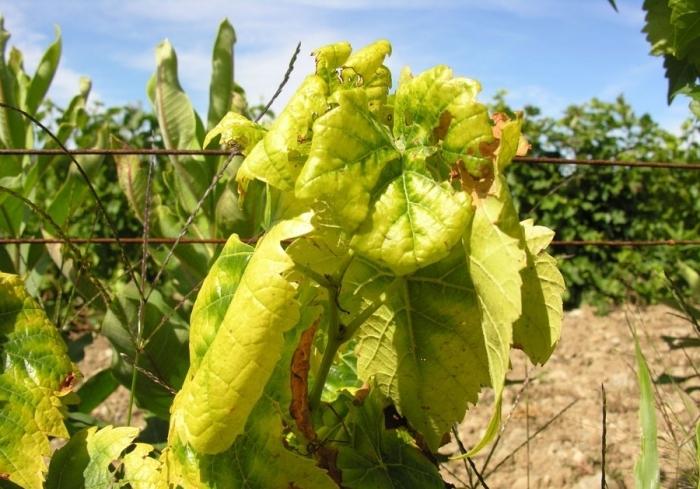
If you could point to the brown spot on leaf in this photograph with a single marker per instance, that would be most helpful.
(299, 407)
(443, 125)
(361, 394)
(4, 476)
(487, 149)
(499, 120)
(67, 383)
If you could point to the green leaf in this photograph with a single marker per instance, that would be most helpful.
(682, 76)
(74, 191)
(221, 86)
(539, 327)
(44, 74)
(12, 124)
(685, 18)
(646, 468)
(236, 129)
(215, 297)
(164, 357)
(658, 26)
(36, 371)
(178, 125)
(279, 156)
(132, 179)
(214, 404)
(375, 457)
(96, 389)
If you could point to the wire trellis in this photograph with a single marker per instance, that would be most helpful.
(137, 240)
(132, 240)
(532, 160)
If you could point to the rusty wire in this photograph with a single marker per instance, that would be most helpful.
(534, 160)
(137, 240)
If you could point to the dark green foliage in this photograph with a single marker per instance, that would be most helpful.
(587, 202)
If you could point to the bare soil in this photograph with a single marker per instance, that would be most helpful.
(593, 350)
(563, 399)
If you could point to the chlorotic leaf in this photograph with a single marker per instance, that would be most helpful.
(331, 56)
(215, 296)
(36, 372)
(425, 106)
(494, 244)
(414, 222)
(349, 152)
(236, 129)
(85, 461)
(211, 409)
(538, 329)
(279, 156)
(420, 342)
(365, 62)
(259, 457)
(103, 447)
(142, 471)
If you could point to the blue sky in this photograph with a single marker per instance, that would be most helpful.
(549, 53)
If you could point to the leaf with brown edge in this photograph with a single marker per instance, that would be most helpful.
(36, 371)
(299, 381)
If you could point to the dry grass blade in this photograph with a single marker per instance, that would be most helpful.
(138, 345)
(516, 402)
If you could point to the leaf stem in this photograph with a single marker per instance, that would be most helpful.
(335, 339)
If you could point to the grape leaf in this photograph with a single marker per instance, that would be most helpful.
(236, 129)
(215, 401)
(278, 157)
(215, 296)
(539, 327)
(384, 183)
(142, 471)
(85, 461)
(36, 372)
(258, 458)
(374, 457)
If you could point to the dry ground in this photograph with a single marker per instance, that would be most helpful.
(593, 350)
